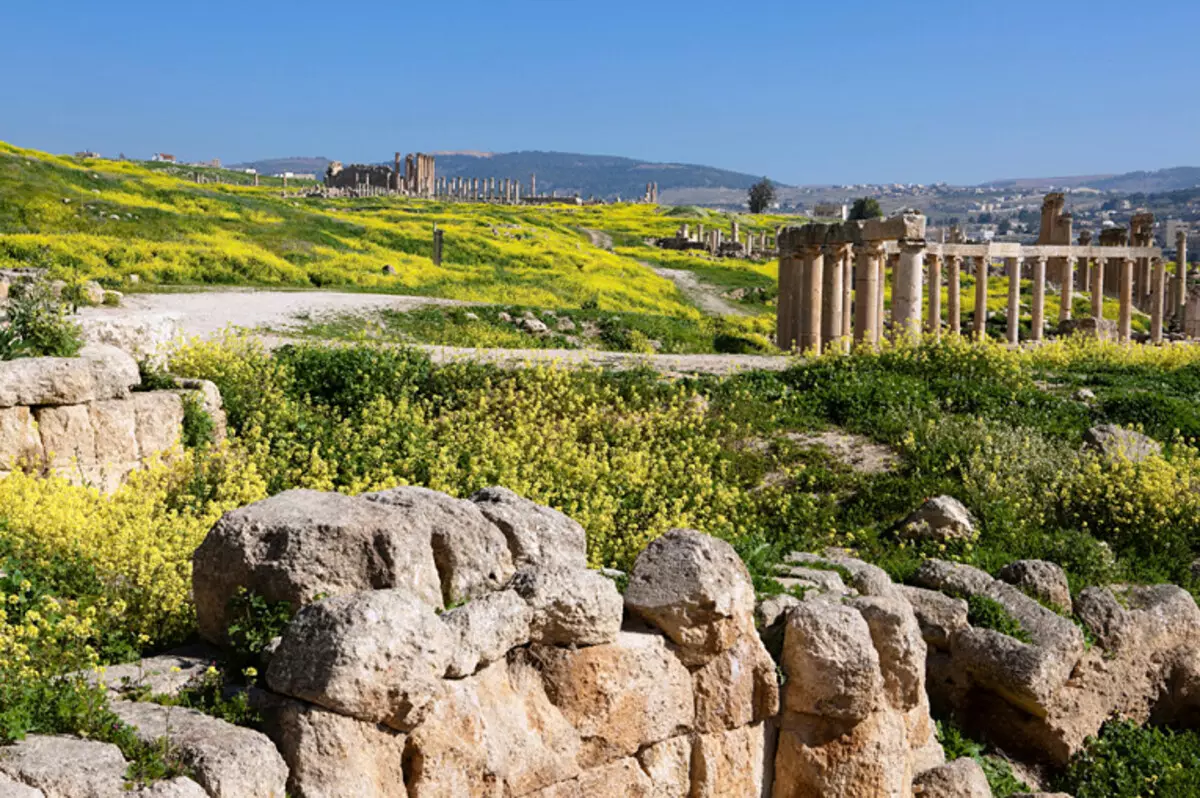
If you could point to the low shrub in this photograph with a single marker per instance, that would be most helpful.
(1130, 761)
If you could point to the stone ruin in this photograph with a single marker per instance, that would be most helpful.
(831, 281)
(462, 648)
(79, 417)
(714, 242)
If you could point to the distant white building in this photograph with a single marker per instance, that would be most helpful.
(165, 157)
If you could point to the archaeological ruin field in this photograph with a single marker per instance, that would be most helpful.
(934, 548)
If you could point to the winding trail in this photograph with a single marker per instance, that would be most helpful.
(270, 314)
(699, 294)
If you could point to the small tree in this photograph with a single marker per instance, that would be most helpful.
(762, 194)
(866, 208)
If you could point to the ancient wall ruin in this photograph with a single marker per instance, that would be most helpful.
(80, 418)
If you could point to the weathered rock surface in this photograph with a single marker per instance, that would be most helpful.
(64, 767)
(377, 656)
(669, 766)
(147, 336)
(942, 518)
(962, 778)
(15, 789)
(832, 665)
(736, 688)
(537, 536)
(819, 757)
(485, 629)
(620, 697)
(227, 761)
(571, 606)
(165, 674)
(695, 589)
(333, 756)
(19, 439)
(938, 615)
(471, 553)
(97, 373)
(730, 764)
(302, 544)
(1111, 441)
(1041, 580)
(492, 734)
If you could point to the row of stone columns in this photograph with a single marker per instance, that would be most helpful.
(489, 189)
(816, 304)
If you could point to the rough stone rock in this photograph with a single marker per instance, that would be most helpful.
(897, 638)
(571, 606)
(729, 764)
(485, 629)
(1084, 395)
(938, 615)
(832, 666)
(794, 576)
(962, 778)
(621, 696)
(471, 554)
(145, 335)
(300, 544)
(159, 421)
(1111, 441)
(19, 439)
(867, 579)
(772, 609)
(67, 435)
(211, 402)
(377, 656)
(1040, 579)
(736, 688)
(819, 757)
(14, 789)
(1026, 676)
(623, 777)
(564, 325)
(537, 536)
(669, 766)
(333, 756)
(180, 787)
(695, 589)
(114, 425)
(65, 767)
(227, 761)
(165, 674)
(1040, 795)
(490, 735)
(1146, 618)
(533, 326)
(98, 372)
(942, 518)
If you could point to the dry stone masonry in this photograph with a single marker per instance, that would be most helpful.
(461, 648)
(832, 272)
(80, 418)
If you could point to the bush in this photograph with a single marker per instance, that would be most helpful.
(988, 613)
(37, 324)
(1128, 761)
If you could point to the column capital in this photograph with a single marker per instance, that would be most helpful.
(873, 248)
(912, 245)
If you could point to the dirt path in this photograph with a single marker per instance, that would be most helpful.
(270, 314)
(699, 294)
(599, 238)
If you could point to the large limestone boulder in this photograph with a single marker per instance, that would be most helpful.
(19, 439)
(620, 697)
(571, 606)
(377, 656)
(1111, 441)
(301, 544)
(492, 734)
(938, 615)
(96, 373)
(165, 674)
(942, 518)
(962, 778)
(65, 767)
(537, 536)
(695, 589)
(730, 764)
(819, 757)
(897, 639)
(227, 761)
(623, 777)
(147, 336)
(471, 554)
(669, 766)
(832, 665)
(485, 629)
(737, 687)
(1042, 580)
(9, 788)
(334, 756)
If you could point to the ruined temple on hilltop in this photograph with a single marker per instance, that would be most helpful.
(417, 178)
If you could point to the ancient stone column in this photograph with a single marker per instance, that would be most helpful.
(733, 231)
(881, 296)
(981, 296)
(847, 296)
(1068, 289)
(1013, 267)
(437, 246)
(1158, 279)
(906, 294)
(831, 296)
(954, 298)
(1098, 291)
(1037, 312)
(866, 292)
(1125, 314)
(787, 304)
(813, 276)
(1181, 275)
(1085, 273)
(933, 320)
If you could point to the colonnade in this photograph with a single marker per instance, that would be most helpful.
(832, 276)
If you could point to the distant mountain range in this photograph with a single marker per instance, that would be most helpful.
(567, 173)
(608, 176)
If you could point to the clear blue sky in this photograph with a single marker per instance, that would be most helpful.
(804, 92)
